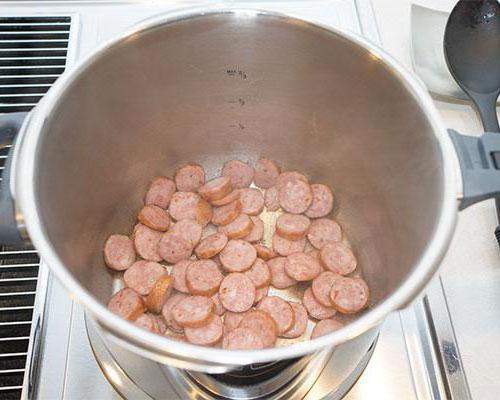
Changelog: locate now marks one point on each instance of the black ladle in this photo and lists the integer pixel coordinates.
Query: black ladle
(472, 50)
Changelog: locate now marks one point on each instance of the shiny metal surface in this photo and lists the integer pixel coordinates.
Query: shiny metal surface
(278, 105)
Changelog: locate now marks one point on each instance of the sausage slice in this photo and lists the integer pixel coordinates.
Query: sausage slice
(239, 228)
(119, 252)
(187, 229)
(257, 232)
(190, 177)
(219, 308)
(233, 196)
(242, 339)
(323, 231)
(142, 276)
(263, 324)
(322, 203)
(203, 277)
(237, 256)
(160, 293)
(302, 267)
(154, 217)
(160, 192)
(127, 303)
(314, 308)
(167, 311)
(291, 226)
(295, 196)
(338, 258)
(148, 322)
(206, 335)
(216, 189)
(325, 327)
(252, 201)
(288, 176)
(322, 285)
(300, 322)
(266, 173)
(279, 278)
(224, 215)
(279, 310)
(259, 273)
(211, 245)
(237, 292)
(174, 248)
(232, 320)
(193, 311)
(349, 295)
(240, 173)
(189, 205)
(260, 293)
(264, 252)
(146, 242)
(179, 275)
(285, 247)
(271, 199)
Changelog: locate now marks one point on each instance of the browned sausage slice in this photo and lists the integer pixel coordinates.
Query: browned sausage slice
(154, 217)
(285, 247)
(288, 176)
(242, 339)
(193, 311)
(211, 245)
(322, 203)
(314, 308)
(271, 199)
(142, 276)
(260, 293)
(257, 232)
(263, 324)
(168, 314)
(160, 192)
(239, 228)
(173, 248)
(279, 310)
(219, 308)
(224, 215)
(233, 196)
(252, 201)
(302, 267)
(190, 177)
(240, 173)
(264, 252)
(295, 196)
(291, 226)
(148, 322)
(325, 327)
(237, 292)
(179, 275)
(232, 320)
(279, 278)
(323, 231)
(266, 173)
(237, 256)
(146, 242)
(207, 335)
(216, 189)
(187, 229)
(322, 285)
(349, 295)
(188, 205)
(160, 293)
(338, 258)
(119, 252)
(300, 323)
(259, 273)
(127, 304)
(203, 277)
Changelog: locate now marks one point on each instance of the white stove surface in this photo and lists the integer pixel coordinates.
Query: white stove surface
(416, 356)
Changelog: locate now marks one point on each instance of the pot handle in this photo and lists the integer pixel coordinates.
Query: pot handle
(10, 124)
(479, 159)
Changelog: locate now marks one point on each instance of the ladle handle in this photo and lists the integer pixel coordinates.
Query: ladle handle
(486, 105)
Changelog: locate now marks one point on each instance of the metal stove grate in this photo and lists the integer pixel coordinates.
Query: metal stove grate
(33, 53)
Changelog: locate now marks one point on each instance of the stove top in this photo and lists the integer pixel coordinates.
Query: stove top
(416, 355)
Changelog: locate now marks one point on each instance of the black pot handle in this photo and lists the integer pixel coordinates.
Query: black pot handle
(10, 124)
(479, 159)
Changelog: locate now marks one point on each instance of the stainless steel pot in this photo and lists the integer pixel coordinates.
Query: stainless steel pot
(210, 85)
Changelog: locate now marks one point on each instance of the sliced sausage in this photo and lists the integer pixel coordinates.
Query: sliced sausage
(216, 189)
(266, 173)
(174, 248)
(315, 254)
(323, 231)
(154, 217)
(237, 256)
(271, 199)
(302, 267)
(188, 229)
(219, 308)
(188, 205)
(142, 276)
(259, 273)
(179, 275)
(322, 285)
(252, 201)
(325, 327)
(127, 303)
(193, 311)
(203, 277)
(349, 295)
(242, 339)
(146, 242)
(295, 196)
(285, 247)
(240, 173)
(264, 252)
(160, 192)
(260, 293)
(279, 278)
(300, 322)
(148, 322)
(207, 335)
(211, 245)
(263, 324)
(232, 320)
(279, 310)
(338, 258)
(167, 313)
(239, 228)
(160, 293)
(257, 232)
(237, 292)
(224, 215)
(291, 226)
(119, 252)
(288, 176)
(233, 196)
(322, 203)
(314, 308)
(189, 177)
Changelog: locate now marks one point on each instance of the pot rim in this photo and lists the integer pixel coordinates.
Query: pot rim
(135, 337)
